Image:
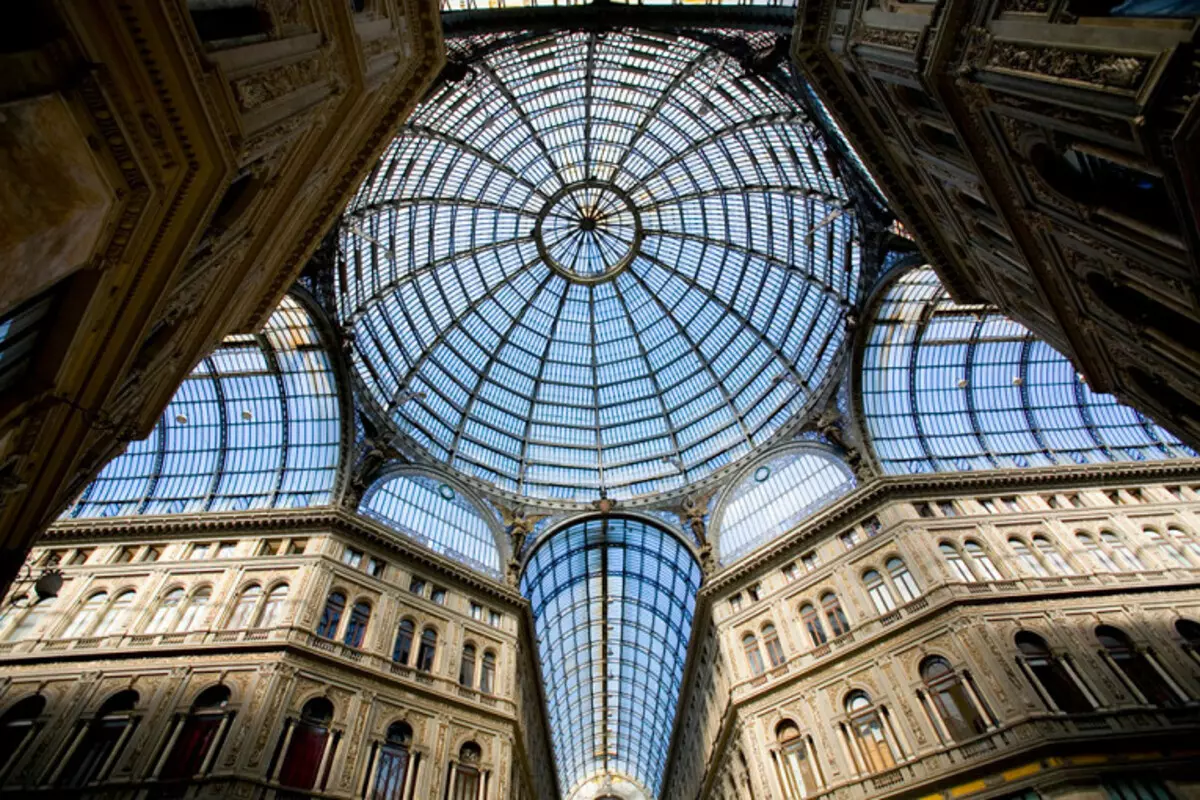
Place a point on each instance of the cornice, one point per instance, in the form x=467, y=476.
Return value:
x=879, y=491
x=326, y=519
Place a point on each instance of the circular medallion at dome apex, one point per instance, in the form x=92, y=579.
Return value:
x=588, y=231
x=610, y=262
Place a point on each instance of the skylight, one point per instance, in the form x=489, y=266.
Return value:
x=947, y=387
x=256, y=425
x=599, y=262
x=612, y=603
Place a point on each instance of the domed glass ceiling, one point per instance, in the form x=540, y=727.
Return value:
x=599, y=261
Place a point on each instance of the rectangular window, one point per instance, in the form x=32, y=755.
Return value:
x=226, y=549
x=352, y=557
x=948, y=508
x=872, y=527
x=199, y=551
x=80, y=556
x=790, y=573
x=296, y=547
x=1113, y=497
x=495, y=618
x=924, y=510
x=1136, y=495
x=1011, y=504
x=1075, y=500
x=375, y=567
x=152, y=553
x=1176, y=492
x=270, y=547
x=753, y=591
x=476, y=611
x=849, y=539
x=417, y=586
x=989, y=506
x=735, y=602
x=1052, y=500
x=124, y=555
x=810, y=561
x=438, y=596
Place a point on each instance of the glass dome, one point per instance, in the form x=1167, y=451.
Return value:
x=599, y=262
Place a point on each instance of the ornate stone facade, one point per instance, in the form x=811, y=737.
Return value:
x=790, y=640
x=273, y=662
x=1045, y=161
x=170, y=169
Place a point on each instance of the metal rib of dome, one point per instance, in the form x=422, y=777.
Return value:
x=599, y=262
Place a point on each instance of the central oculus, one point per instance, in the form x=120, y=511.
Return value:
x=588, y=231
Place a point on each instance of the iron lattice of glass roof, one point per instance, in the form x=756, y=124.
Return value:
x=948, y=387
x=599, y=261
x=257, y=424
x=471, y=5
x=612, y=601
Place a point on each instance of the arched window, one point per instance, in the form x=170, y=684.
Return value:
x=85, y=618
x=404, y=641
x=1099, y=557
x=880, y=594
x=199, y=736
x=870, y=742
x=303, y=746
x=1121, y=552
x=99, y=741
x=1137, y=667
x=273, y=608
x=1184, y=541
x=487, y=673
x=771, y=642
x=18, y=728
x=427, y=650
x=191, y=616
x=902, y=579
x=393, y=763
x=356, y=628
x=812, y=623
x=331, y=616
x=165, y=612
x=1028, y=560
x=243, y=610
x=799, y=771
x=1051, y=556
x=28, y=623
x=116, y=617
x=1168, y=552
x=1189, y=630
x=1052, y=678
x=953, y=701
x=955, y=561
x=753, y=655
x=466, y=669
x=834, y=614
x=466, y=781
x=982, y=561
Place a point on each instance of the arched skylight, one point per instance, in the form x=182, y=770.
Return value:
x=611, y=260
x=434, y=514
x=777, y=495
x=612, y=601
x=256, y=425
x=947, y=387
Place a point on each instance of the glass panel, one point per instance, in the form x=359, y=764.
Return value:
x=612, y=601
x=573, y=270
x=948, y=387
x=255, y=425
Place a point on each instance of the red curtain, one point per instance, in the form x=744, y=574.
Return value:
x=191, y=747
x=303, y=757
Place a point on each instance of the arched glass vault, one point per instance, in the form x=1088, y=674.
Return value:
x=257, y=424
x=613, y=599
x=947, y=387
x=599, y=262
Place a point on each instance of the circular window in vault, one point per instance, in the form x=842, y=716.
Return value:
x=616, y=261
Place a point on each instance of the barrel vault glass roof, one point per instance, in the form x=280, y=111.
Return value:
x=471, y=5
x=610, y=261
x=257, y=424
x=948, y=387
x=612, y=601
